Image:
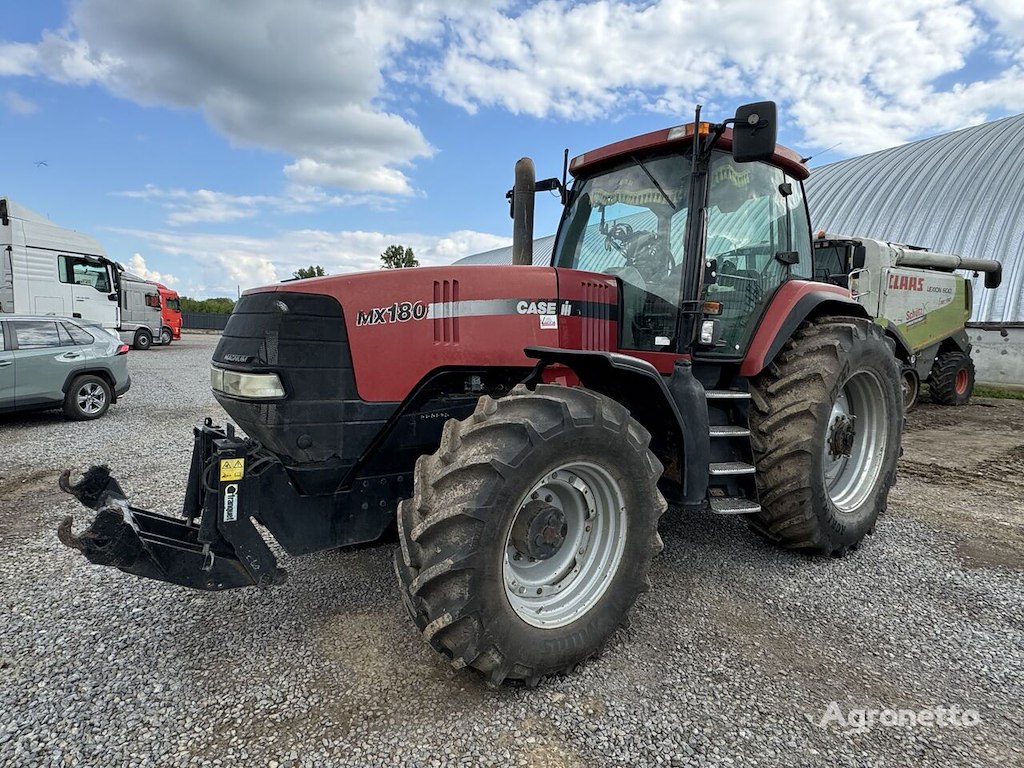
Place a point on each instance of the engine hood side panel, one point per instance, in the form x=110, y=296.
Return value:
x=404, y=323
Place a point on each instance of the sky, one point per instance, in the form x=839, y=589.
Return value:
x=216, y=145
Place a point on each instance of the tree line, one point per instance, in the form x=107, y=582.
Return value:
x=394, y=257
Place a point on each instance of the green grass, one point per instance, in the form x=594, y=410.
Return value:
x=1005, y=394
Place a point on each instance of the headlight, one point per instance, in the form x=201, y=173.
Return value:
x=256, y=386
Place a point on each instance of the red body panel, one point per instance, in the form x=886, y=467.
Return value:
x=404, y=323
x=778, y=312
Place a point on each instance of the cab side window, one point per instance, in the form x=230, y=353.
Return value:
x=79, y=271
x=36, y=334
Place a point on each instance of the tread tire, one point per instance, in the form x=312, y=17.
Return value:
x=791, y=408
x=143, y=339
x=453, y=531
x=71, y=407
x=942, y=379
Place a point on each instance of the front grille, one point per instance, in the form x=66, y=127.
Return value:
x=321, y=424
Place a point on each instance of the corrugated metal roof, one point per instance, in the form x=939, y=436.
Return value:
x=542, y=248
x=962, y=192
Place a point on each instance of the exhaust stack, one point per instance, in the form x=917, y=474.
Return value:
x=522, y=212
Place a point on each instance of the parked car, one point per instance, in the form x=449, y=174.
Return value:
x=57, y=362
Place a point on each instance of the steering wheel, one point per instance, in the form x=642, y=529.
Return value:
x=650, y=255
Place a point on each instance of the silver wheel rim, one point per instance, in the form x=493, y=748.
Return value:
x=556, y=591
x=855, y=442
x=165, y=337
x=91, y=398
x=907, y=381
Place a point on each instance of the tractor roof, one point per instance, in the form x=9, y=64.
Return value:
x=785, y=158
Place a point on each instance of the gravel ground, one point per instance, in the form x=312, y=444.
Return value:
x=733, y=658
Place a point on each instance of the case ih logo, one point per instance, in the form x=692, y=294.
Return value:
x=906, y=283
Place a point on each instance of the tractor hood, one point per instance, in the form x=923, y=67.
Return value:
x=399, y=325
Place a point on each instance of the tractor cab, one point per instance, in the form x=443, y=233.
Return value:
x=698, y=239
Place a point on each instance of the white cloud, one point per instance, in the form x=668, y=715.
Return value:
x=206, y=206
x=17, y=104
x=302, y=77
x=862, y=73
x=220, y=264
x=1008, y=16
x=331, y=84
x=137, y=264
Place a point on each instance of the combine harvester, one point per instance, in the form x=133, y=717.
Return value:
x=921, y=302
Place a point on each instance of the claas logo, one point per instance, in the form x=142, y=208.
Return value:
x=905, y=282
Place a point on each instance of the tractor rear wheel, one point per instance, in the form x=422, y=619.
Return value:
x=531, y=532
x=826, y=425
x=951, y=381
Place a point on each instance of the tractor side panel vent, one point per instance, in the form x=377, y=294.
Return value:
x=446, y=311
x=596, y=316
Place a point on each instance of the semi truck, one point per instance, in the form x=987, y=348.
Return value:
x=46, y=269
x=170, y=313
x=919, y=299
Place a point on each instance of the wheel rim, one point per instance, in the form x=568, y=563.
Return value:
x=557, y=589
x=909, y=388
x=165, y=336
x=960, y=385
x=855, y=442
x=91, y=398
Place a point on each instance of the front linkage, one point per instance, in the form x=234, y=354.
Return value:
x=215, y=547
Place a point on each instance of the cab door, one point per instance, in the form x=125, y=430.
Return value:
x=92, y=288
x=6, y=370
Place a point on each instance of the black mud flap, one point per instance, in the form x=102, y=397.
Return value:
x=214, y=546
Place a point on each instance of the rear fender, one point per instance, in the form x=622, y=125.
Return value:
x=794, y=303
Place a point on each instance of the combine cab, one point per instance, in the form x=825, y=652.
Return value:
x=523, y=426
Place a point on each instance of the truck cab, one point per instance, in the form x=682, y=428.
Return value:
x=170, y=309
x=50, y=270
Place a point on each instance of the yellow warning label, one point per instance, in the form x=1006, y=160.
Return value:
x=231, y=469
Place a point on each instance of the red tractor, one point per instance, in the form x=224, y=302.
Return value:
x=523, y=426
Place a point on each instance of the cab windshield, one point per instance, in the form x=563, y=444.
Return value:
x=630, y=222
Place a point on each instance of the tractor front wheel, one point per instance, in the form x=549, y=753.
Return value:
x=826, y=425
x=530, y=532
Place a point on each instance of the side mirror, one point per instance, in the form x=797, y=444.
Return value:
x=754, y=132
x=112, y=296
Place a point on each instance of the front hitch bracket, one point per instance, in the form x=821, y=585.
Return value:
x=215, y=546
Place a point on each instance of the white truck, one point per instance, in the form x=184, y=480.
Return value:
x=46, y=269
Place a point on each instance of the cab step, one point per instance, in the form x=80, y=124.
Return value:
x=726, y=394
x=731, y=468
x=724, y=505
x=729, y=430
